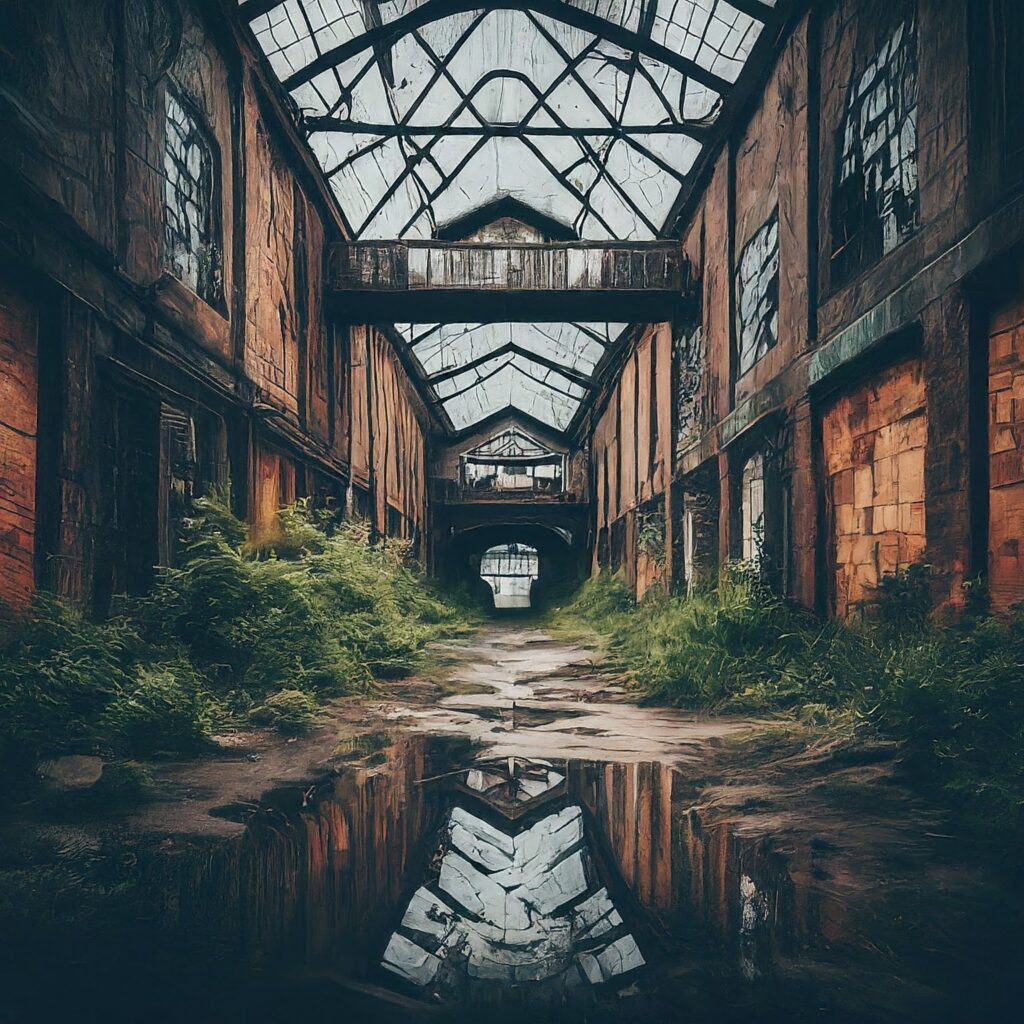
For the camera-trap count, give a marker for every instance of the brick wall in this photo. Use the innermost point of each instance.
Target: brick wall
(874, 444)
(19, 394)
(1006, 456)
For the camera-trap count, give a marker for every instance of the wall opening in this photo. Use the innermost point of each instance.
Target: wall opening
(875, 188)
(512, 462)
(510, 571)
(752, 510)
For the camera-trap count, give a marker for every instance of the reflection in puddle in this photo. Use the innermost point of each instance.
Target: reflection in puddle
(512, 903)
(436, 883)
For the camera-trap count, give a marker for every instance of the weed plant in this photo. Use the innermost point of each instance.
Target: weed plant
(241, 630)
(950, 692)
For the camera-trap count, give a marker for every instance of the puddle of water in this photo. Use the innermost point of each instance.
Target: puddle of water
(436, 886)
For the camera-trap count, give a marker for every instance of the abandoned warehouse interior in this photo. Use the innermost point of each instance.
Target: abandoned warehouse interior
(796, 291)
(537, 291)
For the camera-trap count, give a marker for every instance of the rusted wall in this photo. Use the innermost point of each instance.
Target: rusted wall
(771, 177)
(19, 388)
(1006, 453)
(851, 36)
(874, 441)
(399, 447)
(632, 451)
(842, 326)
(83, 93)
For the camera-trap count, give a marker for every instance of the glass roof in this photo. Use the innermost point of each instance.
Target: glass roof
(545, 370)
(510, 444)
(589, 111)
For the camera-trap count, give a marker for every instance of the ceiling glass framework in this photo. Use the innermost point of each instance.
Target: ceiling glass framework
(545, 370)
(590, 113)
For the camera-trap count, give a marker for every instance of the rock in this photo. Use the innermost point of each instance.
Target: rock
(75, 771)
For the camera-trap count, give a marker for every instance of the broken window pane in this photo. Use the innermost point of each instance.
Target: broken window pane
(512, 461)
(752, 503)
(757, 294)
(689, 361)
(874, 197)
(191, 231)
(471, 105)
(509, 570)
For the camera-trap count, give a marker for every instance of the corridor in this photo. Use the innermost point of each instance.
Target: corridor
(511, 510)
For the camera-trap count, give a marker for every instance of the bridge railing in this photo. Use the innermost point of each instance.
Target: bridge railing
(422, 265)
(444, 491)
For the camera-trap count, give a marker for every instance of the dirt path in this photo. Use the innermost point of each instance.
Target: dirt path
(737, 850)
(538, 696)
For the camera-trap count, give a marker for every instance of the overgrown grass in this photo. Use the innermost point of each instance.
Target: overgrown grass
(952, 693)
(241, 631)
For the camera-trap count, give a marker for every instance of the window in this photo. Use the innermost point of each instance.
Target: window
(874, 196)
(510, 570)
(512, 461)
(752, 503)
(192, 247)
(689, 362)
(757, 294)
(601, 107)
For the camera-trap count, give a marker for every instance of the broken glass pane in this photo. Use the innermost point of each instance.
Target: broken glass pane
(191, 237)
(874, 200)
(757, 294)
(592, 115)
(542, 369)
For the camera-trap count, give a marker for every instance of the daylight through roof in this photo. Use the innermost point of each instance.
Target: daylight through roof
(591, 113)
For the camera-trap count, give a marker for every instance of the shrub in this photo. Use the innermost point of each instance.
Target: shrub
(288, 711)
(164, 708)
(59, 675)
(949, 692)
(314, 610)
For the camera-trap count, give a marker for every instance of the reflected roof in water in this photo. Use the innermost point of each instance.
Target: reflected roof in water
(512, 908)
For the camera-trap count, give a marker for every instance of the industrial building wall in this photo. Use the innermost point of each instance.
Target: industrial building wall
(843, 399)
(162, 245)
(631, 455)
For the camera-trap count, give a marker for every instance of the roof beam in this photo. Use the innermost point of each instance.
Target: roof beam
(757, 10)
(338, 125)
(508, 412)
(575, 376)
(252, 9)
(436, 10)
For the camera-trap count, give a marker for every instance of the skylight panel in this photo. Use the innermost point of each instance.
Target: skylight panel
(605, 100)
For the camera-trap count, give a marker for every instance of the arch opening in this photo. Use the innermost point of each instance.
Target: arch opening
(510, 570)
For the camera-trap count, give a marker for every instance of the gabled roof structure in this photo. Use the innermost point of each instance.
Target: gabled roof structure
(590, 113)
(511, 445)
(477, 370)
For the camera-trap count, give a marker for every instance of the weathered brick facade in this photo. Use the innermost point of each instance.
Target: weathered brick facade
(166, 373)
(851, 325)
(879, 374)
